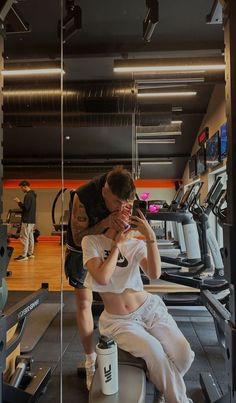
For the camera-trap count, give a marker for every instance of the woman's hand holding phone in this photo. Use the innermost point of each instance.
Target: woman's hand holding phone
(141, 224)
(138, 205)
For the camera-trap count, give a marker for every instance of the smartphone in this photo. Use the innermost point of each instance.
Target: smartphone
(139, 205)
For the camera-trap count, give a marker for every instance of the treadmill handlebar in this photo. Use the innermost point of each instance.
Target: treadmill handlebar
(172, 278)
(182, 261)
(202, 284)
(184, 217)
(215, 307)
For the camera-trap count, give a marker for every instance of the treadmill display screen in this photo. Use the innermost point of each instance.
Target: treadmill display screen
(186, 195)
(192, 166)
(201, 160)
(223, 141)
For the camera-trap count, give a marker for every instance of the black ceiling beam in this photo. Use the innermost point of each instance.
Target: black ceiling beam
(15, 24)
(89, 120)
(187, 112)
(216, 15)
(136, 47)
(13, 162)
(72, 22)
(105, 49)
(151, 19)
(5, 6)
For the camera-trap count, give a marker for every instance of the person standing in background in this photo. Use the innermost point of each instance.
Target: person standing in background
(28, 207)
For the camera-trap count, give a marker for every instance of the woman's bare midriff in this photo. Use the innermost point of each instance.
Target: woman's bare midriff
(123, 304)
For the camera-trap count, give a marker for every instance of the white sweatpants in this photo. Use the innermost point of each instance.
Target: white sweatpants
(152, 334)
(27, 238)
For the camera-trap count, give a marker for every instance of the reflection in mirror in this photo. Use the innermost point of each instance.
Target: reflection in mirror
(100, 106)
(31, 130)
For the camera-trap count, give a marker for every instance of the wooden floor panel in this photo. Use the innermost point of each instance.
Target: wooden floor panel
(47, 267)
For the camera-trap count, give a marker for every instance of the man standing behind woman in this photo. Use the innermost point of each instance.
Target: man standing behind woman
(28, 207)
(95, 207)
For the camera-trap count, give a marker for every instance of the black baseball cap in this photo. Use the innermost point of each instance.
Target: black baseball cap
(24, 183)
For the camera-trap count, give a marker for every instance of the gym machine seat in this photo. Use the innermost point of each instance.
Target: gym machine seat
(132, 382)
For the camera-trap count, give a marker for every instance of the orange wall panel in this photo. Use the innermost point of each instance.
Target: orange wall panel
(72, 184)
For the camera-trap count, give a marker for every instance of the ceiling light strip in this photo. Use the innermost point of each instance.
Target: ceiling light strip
(173, 80)
(181, 68)
(168, 162)
(11, 93)
(170, 74)
(156, 141)
(159, 86)
(166, 94)
(181, 64)
(159, 134)
(32, 72)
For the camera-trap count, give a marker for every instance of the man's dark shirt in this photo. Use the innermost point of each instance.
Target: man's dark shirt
(28, 207)
(90, 195)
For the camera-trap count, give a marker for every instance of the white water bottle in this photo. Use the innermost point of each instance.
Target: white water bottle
(107, 361)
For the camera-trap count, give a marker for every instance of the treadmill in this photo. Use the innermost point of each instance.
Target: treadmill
(169, 247)
(210, 252)
(188, 254)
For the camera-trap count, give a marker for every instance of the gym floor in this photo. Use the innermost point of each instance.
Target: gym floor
(196, 324)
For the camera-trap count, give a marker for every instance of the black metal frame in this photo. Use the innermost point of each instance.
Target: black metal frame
(228, 318)
(17, 315)
(229, 227)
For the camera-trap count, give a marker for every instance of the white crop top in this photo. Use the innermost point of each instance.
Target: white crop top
(126, 274)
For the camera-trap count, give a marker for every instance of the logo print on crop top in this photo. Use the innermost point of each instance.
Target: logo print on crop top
(121, 261)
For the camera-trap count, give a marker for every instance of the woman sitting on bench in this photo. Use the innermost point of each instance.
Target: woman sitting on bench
(137, 320)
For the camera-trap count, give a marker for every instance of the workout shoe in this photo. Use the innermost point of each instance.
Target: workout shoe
(21, 258)
(159, 397)
(90, 369)
(30, 256)
(81, 369)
